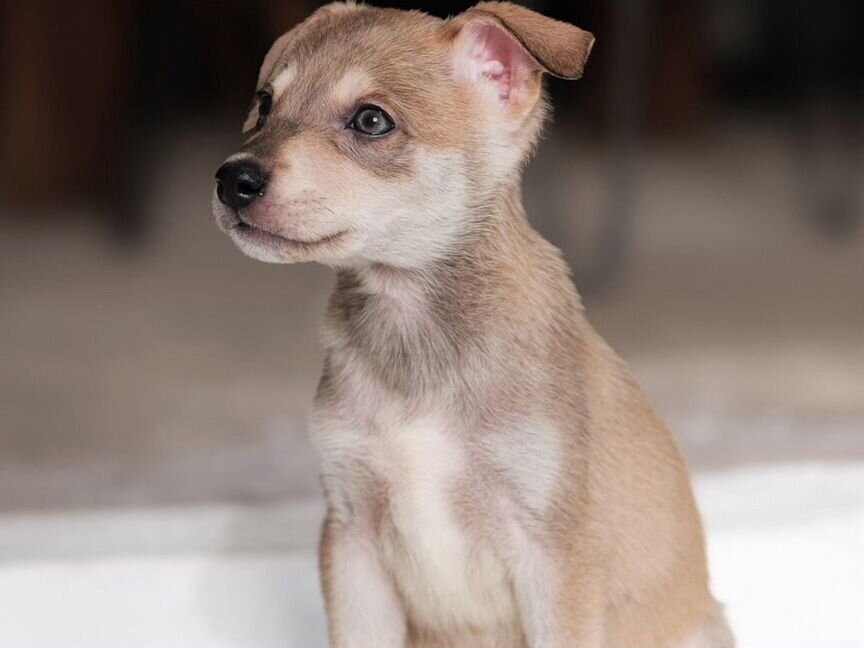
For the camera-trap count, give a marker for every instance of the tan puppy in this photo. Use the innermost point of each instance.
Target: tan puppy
(494, 476)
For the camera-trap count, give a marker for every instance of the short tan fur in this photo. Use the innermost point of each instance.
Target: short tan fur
(495, 477)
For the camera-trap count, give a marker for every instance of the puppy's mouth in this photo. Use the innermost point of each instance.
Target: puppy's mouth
(253, 232)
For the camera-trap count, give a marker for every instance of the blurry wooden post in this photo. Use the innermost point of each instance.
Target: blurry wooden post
(679, 88)
(62, 68)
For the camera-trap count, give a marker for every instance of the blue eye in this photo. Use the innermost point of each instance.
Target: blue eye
(372, 121)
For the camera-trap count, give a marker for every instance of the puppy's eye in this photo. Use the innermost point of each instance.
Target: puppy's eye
(372, 121)
(265, 103)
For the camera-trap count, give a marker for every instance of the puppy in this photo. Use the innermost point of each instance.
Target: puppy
(494, 476)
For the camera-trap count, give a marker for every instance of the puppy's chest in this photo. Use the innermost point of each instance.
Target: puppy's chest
(422, 490)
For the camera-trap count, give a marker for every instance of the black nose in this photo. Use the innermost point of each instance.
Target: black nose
(239, 183)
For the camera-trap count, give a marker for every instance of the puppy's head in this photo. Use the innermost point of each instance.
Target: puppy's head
(378, 135)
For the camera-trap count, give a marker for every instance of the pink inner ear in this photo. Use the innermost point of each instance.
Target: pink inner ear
(493, 54)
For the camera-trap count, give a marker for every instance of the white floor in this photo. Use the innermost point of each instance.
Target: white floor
(786, 545)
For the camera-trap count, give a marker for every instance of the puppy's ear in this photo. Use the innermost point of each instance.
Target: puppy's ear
(509, 47)
(272, 56)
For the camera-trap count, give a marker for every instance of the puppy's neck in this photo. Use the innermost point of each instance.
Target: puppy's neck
(499, 290)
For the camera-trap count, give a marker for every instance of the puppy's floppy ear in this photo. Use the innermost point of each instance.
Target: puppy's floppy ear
(511, 46)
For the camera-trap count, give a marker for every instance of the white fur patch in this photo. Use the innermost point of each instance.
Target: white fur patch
(282, 80)
(353, 84)
(536, 589)
(404, 222)
(530, 456)
(419, 218)
(444, 578)
(364, 601)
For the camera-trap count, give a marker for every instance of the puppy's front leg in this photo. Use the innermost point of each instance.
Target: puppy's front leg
(363, 610)
(560, 601)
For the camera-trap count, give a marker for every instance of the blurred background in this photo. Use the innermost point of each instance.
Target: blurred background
(704, 180)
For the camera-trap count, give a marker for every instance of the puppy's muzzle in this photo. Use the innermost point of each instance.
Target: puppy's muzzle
(240, 183)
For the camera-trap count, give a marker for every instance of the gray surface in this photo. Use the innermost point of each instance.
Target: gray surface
(184, 372)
